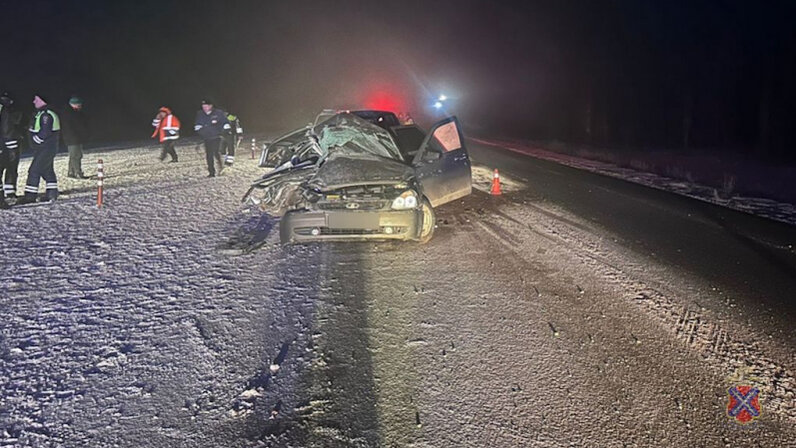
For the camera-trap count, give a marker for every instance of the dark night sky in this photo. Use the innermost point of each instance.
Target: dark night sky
(532, 70)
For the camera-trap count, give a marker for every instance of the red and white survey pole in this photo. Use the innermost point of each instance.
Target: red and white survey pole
(100, 176)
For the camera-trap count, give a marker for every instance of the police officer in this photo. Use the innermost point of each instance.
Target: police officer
(212, 124)
(44, 132)
(11, 136)
(232, 138)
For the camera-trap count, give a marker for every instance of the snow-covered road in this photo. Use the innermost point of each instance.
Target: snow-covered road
(519, 324)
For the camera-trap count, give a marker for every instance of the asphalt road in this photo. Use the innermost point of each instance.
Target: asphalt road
(574, 310)
(750, 259)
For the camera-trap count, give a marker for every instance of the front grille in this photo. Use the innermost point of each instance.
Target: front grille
(362, 205)
(368, 190)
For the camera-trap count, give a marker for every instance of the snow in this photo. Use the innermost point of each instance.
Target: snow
(126, 312)
(131, 325)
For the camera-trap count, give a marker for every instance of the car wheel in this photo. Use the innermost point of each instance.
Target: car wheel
(284, 235)
(428, 224)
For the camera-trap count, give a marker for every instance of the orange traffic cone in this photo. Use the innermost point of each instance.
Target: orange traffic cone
(495, 183)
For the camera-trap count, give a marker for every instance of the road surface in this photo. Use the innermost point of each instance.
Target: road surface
(574, 310)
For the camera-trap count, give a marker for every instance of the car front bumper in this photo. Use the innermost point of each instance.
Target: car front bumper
(302, 226)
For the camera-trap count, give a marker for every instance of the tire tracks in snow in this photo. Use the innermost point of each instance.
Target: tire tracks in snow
(725, 347)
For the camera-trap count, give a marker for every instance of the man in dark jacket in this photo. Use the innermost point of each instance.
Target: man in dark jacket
(75, 135)
(44, 136)
(211, 124)
(11, 137)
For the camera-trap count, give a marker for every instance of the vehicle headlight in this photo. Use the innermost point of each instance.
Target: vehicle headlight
(405, 201)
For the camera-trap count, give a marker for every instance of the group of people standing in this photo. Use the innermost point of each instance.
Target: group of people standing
(219, 130)
(42, 135)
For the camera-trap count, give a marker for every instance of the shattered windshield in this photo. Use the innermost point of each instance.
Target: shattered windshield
(353, 133)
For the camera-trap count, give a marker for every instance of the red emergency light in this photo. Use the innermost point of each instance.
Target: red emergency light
(385, 100)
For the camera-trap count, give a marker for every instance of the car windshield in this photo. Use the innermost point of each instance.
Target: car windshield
(353, 133)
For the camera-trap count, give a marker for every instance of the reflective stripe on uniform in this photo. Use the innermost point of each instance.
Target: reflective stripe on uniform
(31, 189)
(37, 139)
(171, 137)
(52, 185)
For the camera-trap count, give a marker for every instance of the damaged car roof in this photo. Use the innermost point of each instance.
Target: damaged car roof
(347, 131)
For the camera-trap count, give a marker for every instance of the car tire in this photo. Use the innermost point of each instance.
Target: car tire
(428, 224)
(284, 235)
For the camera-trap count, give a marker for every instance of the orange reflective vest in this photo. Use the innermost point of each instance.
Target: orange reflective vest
(167, 128)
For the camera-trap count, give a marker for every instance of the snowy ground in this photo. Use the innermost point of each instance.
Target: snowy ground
(766, 208)
(517, 325)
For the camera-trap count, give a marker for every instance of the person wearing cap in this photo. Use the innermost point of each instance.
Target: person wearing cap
(12, 132)
(75, 134)
(211, 124)
(44, 136)
(167, 129)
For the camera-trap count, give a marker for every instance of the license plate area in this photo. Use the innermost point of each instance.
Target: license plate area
(363, 221)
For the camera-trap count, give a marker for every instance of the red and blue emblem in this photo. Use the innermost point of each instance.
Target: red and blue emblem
(744, 404)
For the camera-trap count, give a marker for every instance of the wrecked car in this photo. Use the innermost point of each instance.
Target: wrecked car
(361, 175)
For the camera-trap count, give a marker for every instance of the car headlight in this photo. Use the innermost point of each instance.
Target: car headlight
(405, 201)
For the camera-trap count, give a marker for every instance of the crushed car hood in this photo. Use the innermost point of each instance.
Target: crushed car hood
(343, 151)
(346, 166)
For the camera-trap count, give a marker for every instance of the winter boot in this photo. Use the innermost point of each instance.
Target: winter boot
(29, 198)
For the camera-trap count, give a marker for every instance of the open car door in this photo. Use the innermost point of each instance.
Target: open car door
(442, 164)
(409, 139)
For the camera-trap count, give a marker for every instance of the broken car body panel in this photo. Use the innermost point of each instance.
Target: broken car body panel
(348, 178)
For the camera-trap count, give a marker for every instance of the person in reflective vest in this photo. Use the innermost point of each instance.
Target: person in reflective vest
(12, 132)
(167, 130)
(232, 139)
(44, 133)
